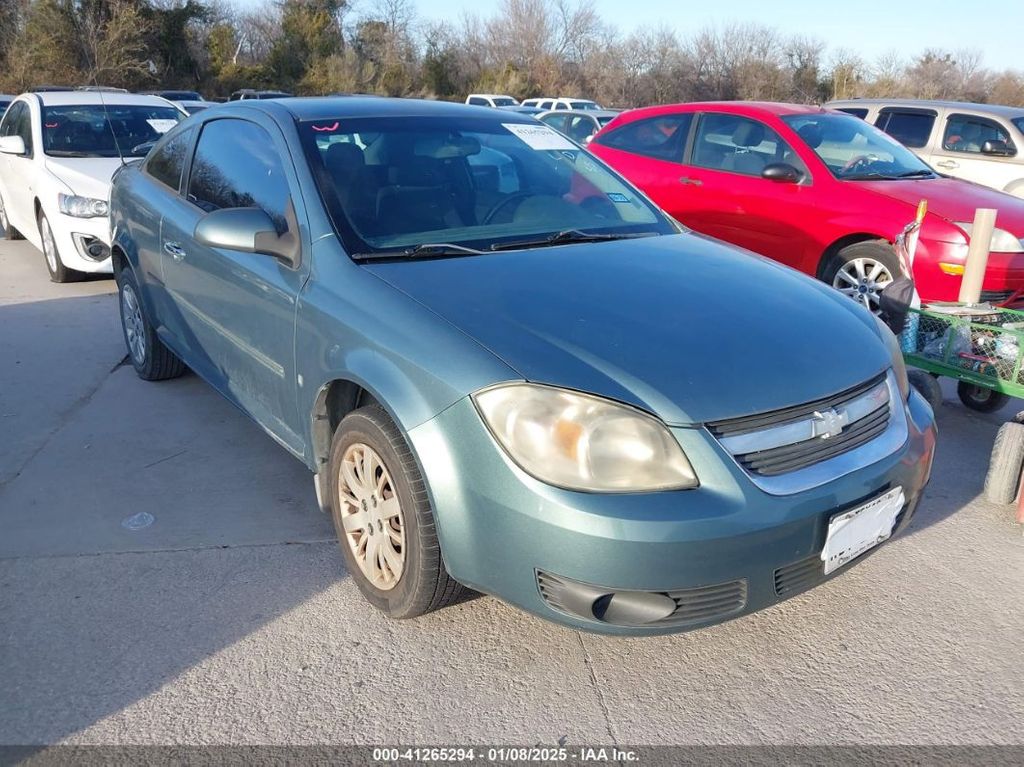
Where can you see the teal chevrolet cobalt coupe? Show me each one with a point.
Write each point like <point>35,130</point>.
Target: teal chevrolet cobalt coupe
<point>508,371</point>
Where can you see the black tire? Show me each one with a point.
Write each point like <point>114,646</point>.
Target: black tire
<point>979,398</point>
<point>58,272</point>
<point>876,250</point>
<point>156,362</point>
<point>927,386</point>
<point>7,231</point>
<point>1006,464</point>
<point>424,584</point>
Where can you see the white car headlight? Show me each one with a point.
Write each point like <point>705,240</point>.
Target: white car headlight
<point>899,367</point>
<point>1002,240</point>
<point>582,442</point>
<point>81,207</point>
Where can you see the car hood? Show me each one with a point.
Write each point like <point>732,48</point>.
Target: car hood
<point>953,199</point>
<point>86,176</point>
<point>683,326</point>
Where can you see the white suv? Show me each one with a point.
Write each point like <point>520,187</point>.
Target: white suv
<point>491,100</point>
<point>58,152</point>
<point>983,143</point>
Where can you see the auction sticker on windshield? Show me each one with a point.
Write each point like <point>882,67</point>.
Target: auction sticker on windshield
<point>854,532</point>
<point>162,126</point>
<point>539,137</point>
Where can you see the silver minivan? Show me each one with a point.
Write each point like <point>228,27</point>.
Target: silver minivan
<point>983,143</point>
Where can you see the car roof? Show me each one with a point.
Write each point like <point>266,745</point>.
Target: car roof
<point>748,108</point>
<point>489,96</point>
<point>994,109</point>
<point>590,112</point>
<point>83,98</point>
<point>320,108</point>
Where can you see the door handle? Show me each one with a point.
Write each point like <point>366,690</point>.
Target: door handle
<point>690,181</point>
<point>948,164</point>
<point>174,250</point>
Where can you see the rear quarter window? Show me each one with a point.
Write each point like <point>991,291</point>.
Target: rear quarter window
<point>662,138</point>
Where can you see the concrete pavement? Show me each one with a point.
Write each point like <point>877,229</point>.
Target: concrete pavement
<point>230,619</point>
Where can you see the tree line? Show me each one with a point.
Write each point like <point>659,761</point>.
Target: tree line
<point>523,48</point>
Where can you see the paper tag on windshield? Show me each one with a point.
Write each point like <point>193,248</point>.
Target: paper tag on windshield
<point>162,126</point>
<point>539,137</point>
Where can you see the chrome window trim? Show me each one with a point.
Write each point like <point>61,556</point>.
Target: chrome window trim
<point>884,445</point>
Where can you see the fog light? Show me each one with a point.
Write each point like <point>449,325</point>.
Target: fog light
<point>91,248</point>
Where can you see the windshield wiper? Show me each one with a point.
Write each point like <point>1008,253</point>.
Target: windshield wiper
<point>566,237</point>
<point>923,173</point>
<point>425,250</point>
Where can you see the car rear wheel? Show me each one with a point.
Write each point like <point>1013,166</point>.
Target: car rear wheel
<point>7,231</point>
<point>862,271</point>
<point>151,359</point>
<point>383,518</point>
<point>54,264</point>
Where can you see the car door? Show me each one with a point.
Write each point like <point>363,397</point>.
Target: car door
<point>731,200</point>
<point>19,173</point>
<point>649,153</point>
<point>236,311</point>
<point>959,152</point>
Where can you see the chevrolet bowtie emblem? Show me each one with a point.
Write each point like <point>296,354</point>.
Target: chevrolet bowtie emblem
<point>829,423</point>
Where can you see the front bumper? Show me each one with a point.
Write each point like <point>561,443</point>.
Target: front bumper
<point>73,235</point>
<point>503,532</point>
<point>1004,273</point>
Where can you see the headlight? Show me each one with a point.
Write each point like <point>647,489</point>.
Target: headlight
<point>81,207</point>
<point>899,367</point>
<point>582,442</point>
<point>1002,240</point>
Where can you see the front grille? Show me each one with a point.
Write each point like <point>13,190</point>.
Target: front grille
<point>692,606</point>
<point>995,296</point>
<point>798,576</point>
<point>807,452</point>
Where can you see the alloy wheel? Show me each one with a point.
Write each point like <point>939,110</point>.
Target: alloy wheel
<point>49,246</point>
<point>863,279</point>
<point>371,516</point>
<point>134,330</point>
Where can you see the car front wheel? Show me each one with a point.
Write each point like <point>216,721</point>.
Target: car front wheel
<point>862,271</point>
<point>151,359</point>
<point>383,518</point>
<point>54,264</point>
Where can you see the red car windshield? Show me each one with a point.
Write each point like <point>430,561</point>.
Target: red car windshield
<point>853,150</point>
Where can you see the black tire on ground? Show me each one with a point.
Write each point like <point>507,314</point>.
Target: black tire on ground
<point>156,362</point>
<point>7,231</point>
<point>979,398</point>
<point>875,250</point>
<point>1006,464</point>
<point>58,272</point>
<point>424,584</point>
<point>927,386</point>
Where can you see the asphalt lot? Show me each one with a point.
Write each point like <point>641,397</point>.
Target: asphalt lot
<point>230,618</point>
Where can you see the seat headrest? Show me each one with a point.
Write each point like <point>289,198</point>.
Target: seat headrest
<point>748,134</point>
<point>811,134</point>
<point>344,158</point>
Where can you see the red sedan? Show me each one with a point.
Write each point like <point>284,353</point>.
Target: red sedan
<point>819,190</point>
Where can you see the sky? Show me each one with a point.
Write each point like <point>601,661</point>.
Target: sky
<point>870,27</point>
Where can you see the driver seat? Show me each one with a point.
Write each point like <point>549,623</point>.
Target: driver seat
<point>747,135</point>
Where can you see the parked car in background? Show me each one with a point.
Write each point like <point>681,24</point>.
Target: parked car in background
<point>507,390</point>
<point>190,101</point>
<point>576,104</point>
<point>578,124</point>
<point>5,101</point>
<point>490,100</point>
<point>542,102</point>
<point>250,93</point>
<point>983,143</point>
<point>819,190</point>
<point>58,151</point>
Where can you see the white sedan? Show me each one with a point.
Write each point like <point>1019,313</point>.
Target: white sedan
<point>58,152</point>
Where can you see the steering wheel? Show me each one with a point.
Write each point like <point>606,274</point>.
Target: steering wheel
<point>501,204</point>
<point>860,161</point>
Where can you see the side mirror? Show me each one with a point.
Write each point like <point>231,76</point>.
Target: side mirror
<point>997,148</point>
<point>782,172</point>
<point>250,230</point>
<point>12,145</point>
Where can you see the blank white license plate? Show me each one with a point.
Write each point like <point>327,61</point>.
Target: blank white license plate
<point>853,532</point>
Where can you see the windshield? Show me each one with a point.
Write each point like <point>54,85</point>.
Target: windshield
<point>583,105</point>
<point>854,150</point>
<point>395,183</point>
<point>92,130</point>
<point>505,102</point>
